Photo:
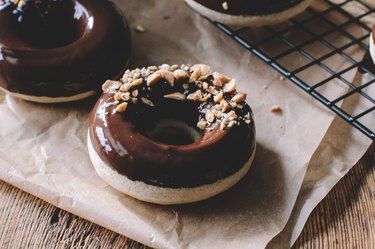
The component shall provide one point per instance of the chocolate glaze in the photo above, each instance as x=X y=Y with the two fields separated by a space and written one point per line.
x=250 y=7
x=120 y=141
x=73 y=49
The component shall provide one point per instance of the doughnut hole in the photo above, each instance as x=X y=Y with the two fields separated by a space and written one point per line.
x=171 y=122
x=53 y=24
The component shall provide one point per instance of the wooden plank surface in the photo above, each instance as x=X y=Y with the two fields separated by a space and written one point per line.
x=344 y=219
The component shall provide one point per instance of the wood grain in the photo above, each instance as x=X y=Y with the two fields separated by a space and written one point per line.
x=344 y=219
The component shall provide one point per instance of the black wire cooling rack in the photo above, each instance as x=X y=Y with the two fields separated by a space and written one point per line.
x=319 y=28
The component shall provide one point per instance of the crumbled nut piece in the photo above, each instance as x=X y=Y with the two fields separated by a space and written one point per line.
x=210 y=117
x=152 y=68
x=225 y=107
x=185 y=86
x=206 y=97
x=247 y=121
x=201 y=124
x=282 y=77
x=145 y=72
x=222 y=125
x=117 y=96
x=225 y=5
x=276 y=108
x=167 y=75
x=212 y=90
x=134 y=100
x=230 y=87
x=205 y=85
x=195 y=75
x=232 y=114
x=147 y=101
x=220 y=79
x=196 y=96
x=135 y=93
x=175 y=95
x=174 y=67
x=204 y=69
x=219 y=97
x=137 y=82
x=180 y=74
x=136 y=75
x=231 y=123
x=125 y=87
x=140 y=29
x=199 y=84
x=122 y=107
x=165 y=67
x=239 y=97
x=153 y=78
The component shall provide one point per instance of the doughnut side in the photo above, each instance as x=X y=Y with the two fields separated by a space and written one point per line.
x=164 y=195
x=50 y=100
x=372 y=44
x=251 y=20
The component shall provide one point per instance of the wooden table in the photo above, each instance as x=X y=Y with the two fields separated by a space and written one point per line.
x=344 y=219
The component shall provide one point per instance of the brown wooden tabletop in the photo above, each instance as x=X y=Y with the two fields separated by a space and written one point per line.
x=344 y=219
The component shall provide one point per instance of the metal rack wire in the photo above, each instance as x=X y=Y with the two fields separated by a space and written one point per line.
x=275 y=43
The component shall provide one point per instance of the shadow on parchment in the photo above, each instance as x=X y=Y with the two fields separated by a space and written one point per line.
x=251 y=206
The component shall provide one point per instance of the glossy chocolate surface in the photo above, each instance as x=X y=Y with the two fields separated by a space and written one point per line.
x=121 y=142
x=250 y=7
x=73 y=49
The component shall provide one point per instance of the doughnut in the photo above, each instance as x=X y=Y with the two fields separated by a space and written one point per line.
x=249 y=13
x=372 y=43
x=171 y=134
x=60 y=50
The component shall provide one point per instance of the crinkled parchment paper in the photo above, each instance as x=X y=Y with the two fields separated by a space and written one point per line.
x=43 y=148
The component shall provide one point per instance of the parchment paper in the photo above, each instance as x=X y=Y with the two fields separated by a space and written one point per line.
x=43 y=148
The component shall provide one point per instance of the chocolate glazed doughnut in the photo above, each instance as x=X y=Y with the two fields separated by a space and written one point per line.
x=172 y=135
x=249 y=12
x=59 y=51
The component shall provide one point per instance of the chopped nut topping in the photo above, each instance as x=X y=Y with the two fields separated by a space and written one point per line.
x=153 y=79
x=176 y=96
x=230 y=86
x=180 y=74
x=219 y=97
x=220 y=79
x=204 y=69
x=239 y=97
x=225 y=5
x=196 y=96
x=137 y=82
x=122 y=107
x=226 y=107
x=210 y=117
x=147 y=101
x=140 y=29
x=276 y=108
x=201 y=124
x=168 y=76
x=135 y=93
x=215 y=93
x=195 y=75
